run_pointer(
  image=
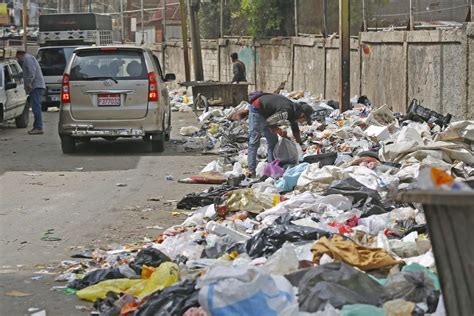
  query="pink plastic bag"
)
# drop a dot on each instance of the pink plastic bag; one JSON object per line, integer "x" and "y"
{"x": 273, "y": 169}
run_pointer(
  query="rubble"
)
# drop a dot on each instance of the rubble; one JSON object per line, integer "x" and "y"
{"x": 319, "y": 232}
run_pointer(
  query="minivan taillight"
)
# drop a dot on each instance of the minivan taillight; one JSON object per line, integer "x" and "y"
{"x": 65, "y": 93}
{"x": 152, "y": 87}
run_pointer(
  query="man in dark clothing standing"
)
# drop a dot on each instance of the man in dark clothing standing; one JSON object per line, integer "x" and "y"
{"x": 238, "y": 68}
{"x": 266, "y": 111}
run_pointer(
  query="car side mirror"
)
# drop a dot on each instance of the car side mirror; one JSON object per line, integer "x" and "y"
{"x": 10, "y": 85}
{"x": 170, "y": 77}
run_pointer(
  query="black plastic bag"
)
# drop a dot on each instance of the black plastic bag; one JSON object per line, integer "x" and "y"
{"x": 365, "y": 198}
{"x": 336, "y": 283}
{"x": 203, "y": 198}
{"x": 171, "y": 301}
{"x": 414, "y": 286}
{"x": 271, "y": 238}
{"x": 95, "y": 277}
{"x": 355, "y": 189}
{"x": 150, "y": 257}
{"x": 106, "y": 306}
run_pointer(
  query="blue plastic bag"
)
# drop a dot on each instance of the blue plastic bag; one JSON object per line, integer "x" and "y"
{"x": 231, "y": 291}
{"x": 290, "y": 177}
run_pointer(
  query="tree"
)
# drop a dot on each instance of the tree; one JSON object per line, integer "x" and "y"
{"x": 257, "y": 18}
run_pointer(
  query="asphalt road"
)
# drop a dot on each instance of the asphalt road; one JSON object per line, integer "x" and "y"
{"x": 78, "y": 197}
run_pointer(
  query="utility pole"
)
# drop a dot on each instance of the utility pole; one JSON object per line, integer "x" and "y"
{"x": 193, "y": 6}
{"x": 411, "y": 22}
{"x": 184, "y": 35}
{"x": 296, "y": 17}
{"x": 472, "y": 11}
{"x": 90, "y": 6}
{"x": 143, "y": 17}
{"x": 364, "y": 17}
{"x": 344, "y": 56}
{"x": 122, "y": 24}
{"x": 325, "y": 18}
{"x": 221, "y": 22}
{"x": 163, "y": 44}
{"x": 25, "y": 25}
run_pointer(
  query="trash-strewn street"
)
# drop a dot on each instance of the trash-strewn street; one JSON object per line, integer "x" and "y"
{"x": 108, "y": 193}
{"x": 236, "y": 158}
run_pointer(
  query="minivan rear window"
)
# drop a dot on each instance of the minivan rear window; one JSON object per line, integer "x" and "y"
{"x": 53, "y": 60}
{"x": 116, "y": 64}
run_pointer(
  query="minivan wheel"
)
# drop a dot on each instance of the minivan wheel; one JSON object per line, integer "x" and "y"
{"x": 68, "y": 144}
{"x": 23, "y": 119}
{"x": 158, "y": 143}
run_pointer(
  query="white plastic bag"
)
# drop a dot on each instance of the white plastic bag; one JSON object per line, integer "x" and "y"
{"x": 245, "y": 290}
{"x": 286, "y": 151}
{"x": 283, "y": 261}
{"x": 213, "y": 167}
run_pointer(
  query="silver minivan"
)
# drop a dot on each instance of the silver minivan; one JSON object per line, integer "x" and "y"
{"x": 112, "y": 92}
{"x": 53, "y": 61}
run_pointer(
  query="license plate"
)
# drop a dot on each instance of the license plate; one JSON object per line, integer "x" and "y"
{"x": 108, "y": 100}
{"x": 55, "y": 98}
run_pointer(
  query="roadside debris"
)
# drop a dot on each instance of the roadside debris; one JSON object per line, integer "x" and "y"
{"x": 47, "y": 236}
{"x": 17, "y": 294}
{"x": 318, "y": 231}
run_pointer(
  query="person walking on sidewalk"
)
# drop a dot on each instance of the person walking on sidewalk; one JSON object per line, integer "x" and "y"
{"x": 238, "y": 68}
{"x": 266, "y": 111}
{"x": 34, "y": 86}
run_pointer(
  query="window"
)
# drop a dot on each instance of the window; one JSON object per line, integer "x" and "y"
{"x": 53, "y": 61}
{"x": 16, "y": 72}
{"x": 6, "y": 74}
{"x": 118, "y": 64}
{"x": 156, "y": 61}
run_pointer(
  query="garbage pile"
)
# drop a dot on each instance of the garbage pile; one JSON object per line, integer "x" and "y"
{"x": 320, "y": 232}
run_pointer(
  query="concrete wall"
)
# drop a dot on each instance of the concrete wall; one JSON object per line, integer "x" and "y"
{"x": 430, "y": 66}
{"x": 435, "y": 67}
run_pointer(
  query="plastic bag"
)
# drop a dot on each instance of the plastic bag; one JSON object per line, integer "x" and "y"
{"x": 213, "y": 167}
{"x": 291, "y": 176}
{"x": 285, "y": 151}
{"x": 273, "y": 169}
{"x": 414, "y": 286}
{"x": 95, "y": 277}
{"x": 337, "y": 284}
{"x": 100, "y": 290}
{"x": 185, "y": 244}
{"x": 260, "y": 170}
{"x": 173, "y": 300}
{"x": 270, "y": 239}
{"x": 398, "y": 307}
{"x": 361, "y": 310}
{"x": 245, "y": 290}
{"x": 203, "y": 198}
{"x": 284, "y": 261}
{"x": 188, "y": 130}
{"x": 361, "y": 194}
{"x": 250, "y": 201}
{"x": 150, "y": 257}
{"x": 165, "y": 275}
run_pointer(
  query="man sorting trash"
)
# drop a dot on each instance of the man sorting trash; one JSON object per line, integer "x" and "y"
{"x": 266, "y": 112}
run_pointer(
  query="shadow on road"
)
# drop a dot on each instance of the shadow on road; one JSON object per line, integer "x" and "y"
{"x": 22, "y": 152}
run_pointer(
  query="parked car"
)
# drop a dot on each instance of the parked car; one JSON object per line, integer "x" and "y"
{"x": 53, "y": 61}
{"x": 112, "y": 92}
{"x": 13, "y": 99}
